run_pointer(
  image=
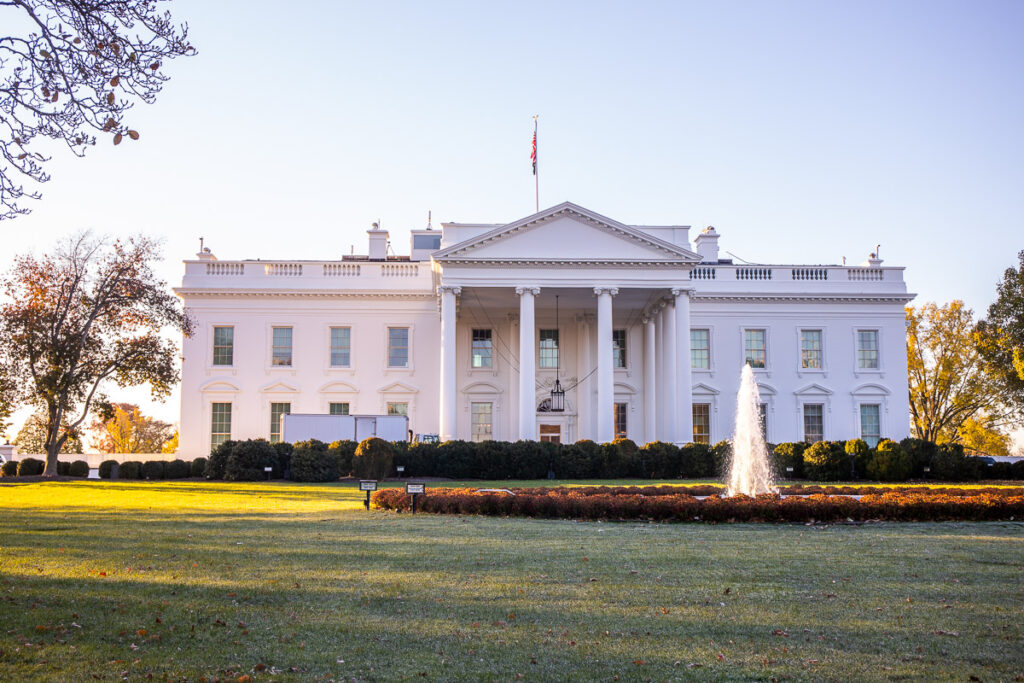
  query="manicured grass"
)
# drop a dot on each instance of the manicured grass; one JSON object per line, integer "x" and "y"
{"x": 186, "y": 580}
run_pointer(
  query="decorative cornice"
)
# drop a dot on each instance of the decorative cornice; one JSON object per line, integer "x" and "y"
{"x": 634, "y": 263}
{"x": 805, "y": 298}
{"x": 301, "y": 294}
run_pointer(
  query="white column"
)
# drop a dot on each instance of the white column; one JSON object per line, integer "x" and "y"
{"x": 511, "y": 430}
{"x": 650, "y": 403}
{"x": 584, "y": 428}
{"x": 605, "y": 373}
{"x": 449, "y": 409}
{"x": 527, "y": 363}
{"x": 659, "y": 363}
{"x": 670, "y": 376}
{"x": 684, "y": 378}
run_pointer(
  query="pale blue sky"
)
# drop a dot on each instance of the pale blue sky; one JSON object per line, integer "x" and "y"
{"x": 803, "y": 131}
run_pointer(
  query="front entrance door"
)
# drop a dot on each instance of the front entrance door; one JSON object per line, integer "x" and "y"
{"x": 551, "y": 433}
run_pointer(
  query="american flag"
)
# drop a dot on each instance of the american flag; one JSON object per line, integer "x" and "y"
{"x": 533, "y": 152}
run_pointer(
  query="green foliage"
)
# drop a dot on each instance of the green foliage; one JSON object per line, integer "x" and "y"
{"x": 9, "y": 468}
{"x": 1000, "y": 337}
{"x": 31, "y": 437}
{"x": 63, "y": 468}
{"x": 374, "y": 459}
{"x": 660, "y": 460}
{"x": 218, "y": 460}
{"x": 177, "y": 469}
{"x": 889, "y": 463}
{"x": 343, "y": 451}
{"x": 153, "y": 470}
{"x": 458, "y": 458}
{"x": 248, "y": 460}
{"x": 30, "y": 467}
{"x": 79, "y": 468}
{"x": 580, "y": 460}
{"x": 107, "y": 467}
{"x": 827, "y": 461}
{"x": 787, "y": 455}
{"x": 197, "y": 468}
{"x": 721, "y": 456}
{"x": 696, "y": 460}
{"x": 284, "y": 455}
{"x": 313, "y": 462}
{"x": 950, "y": 464}
{"x": 132, "y": 469}
{"x": 921, "y": 453}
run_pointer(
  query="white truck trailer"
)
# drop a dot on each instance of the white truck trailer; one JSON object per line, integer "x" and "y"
{"x": 328, "y": 428}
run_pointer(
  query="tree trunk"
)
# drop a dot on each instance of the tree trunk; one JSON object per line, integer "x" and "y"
{"x": 52, "y": 453}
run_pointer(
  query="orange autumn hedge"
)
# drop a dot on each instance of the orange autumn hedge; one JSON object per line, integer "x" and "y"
{"x": 627, "y": 504}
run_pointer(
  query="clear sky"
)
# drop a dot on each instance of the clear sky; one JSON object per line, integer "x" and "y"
{"x": 803, "y": 131}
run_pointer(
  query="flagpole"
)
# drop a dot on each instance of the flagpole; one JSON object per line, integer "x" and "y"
{"x": 536, "y": 173}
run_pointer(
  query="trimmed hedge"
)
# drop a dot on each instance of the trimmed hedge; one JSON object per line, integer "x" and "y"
{"x": 79, "y": 468}
{"x": 63, "y": 468}
{"x": 343, "y": 451}
{"x": 571, "y": 504}
{"x": 107, "y": 467}
{"x": 9, "y": 468}
{"x": 197, "y": 468}
{"x": 30, "y": 467}
{"x": 313, "y": 461}
{"x": 248, "y": 459}
{"x": 153, "y": 470}
{"x": 130, "y": 469}
{"x": 177, "y": 469}
{"x": 374, "y": 459}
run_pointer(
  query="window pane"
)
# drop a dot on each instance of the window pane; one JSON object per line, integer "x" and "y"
{"x": 549, "y": 348}
{"x": 753, "y": 342}
{"x": 276, "y": 411}
{"x": 220, "y": 429}
{"x": 700, "y": 349}
{"x": 482, "y": 425}
{"x": 482, "y": 349}
{"x": 620, "y": 420}
{"x": 870, "y": 424}
{"x": 223, "y": 345}
{"x": 282, "y": 352}
{"x": 814, "y": 426}
{"x": 551, "y": 433}
{"x": 701, "y": 423}
{"x": 618, "y": 348}
{"x": 398, "y": 408}
{"x": 810, "y": 349}
{"x": 867, "y": 349}
{"x": 338, "y": 409}
{"x": 398, "y": 347}
{"x": 341, "y": 346}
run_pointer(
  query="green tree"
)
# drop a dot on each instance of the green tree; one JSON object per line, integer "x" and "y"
{"x": 90, "y": 315}
{"x": 1000, "y": 337}
{"x": 31, "y": 437}
{"x": 948, "y": 382}
{"x": 70, "y": 70}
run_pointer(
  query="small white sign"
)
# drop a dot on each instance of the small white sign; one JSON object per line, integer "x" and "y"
{"x": 414, "y": 488}
{"x": 367, "y": 485}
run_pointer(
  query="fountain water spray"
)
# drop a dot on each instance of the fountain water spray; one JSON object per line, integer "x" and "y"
{"x": 750, "y": 473}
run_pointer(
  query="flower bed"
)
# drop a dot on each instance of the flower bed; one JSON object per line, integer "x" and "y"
{"x": 657, "y": 504}
{"x": 793, "y": 490}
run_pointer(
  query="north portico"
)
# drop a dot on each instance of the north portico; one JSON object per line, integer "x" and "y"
{"x": 643, "y": 327}
{"x": 606, "y": 276}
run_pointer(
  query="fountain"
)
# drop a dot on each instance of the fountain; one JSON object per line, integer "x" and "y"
{"x": 750, "y": 473}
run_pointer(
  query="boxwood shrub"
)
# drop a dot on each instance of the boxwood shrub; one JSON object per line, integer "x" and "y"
{"x": 106, "y": 469}
{"x": 9, "y": 469}
{"x": 154, "y": 470}
{"x": 343, "y": 451}
{"x": 218, "y": 460}
{"x": 312, "y": 463}
{"x": 248, "y": 460}
{"x": 197, "y": 468}
{"x": 176, "y": 469}
{"x": 30, "y": 467}
{"x": 787, "y": 455}
{"x": 63, "y": 468}
{"x": 374, "y": 458}
{"x": 131, "y": 469}
{"x": 79, "y": 468}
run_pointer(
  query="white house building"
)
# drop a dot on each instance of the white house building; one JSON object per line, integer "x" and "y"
{"x": 643, "y": 329}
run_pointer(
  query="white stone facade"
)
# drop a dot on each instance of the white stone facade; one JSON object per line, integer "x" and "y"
{"x": 380, "y": 332}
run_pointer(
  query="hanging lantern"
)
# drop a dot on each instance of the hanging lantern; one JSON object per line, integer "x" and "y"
{"x": 557, "y": 398}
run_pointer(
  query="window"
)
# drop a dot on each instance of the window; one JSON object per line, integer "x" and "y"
{"x": 867, "y": 349}
{"x": 618, "y": 348}
{"x": 870, "y": 424}
{"x": 398, "y": 408}
{"x": 700, "y": 349}
{"x": 549, "y": 348}
{"x": 810, "y": 349}
{"x": 620, "y": 421}
{"x": 282, "y": 351}
{"x": 338, "y": 409}
{"x": 814, "y": 425}
{"x": 482, "y": 349}
{"x": 762, "y": 414}
{"x": 398, "y": 347}
{"x": 341, "y": 347}
{"x": 223, "y": 345}
{"x": 482, "y": 425}
{"x": 753, "y": 345}
{"x": 220, "y": 429}
{"x": 702, "y": 423}
{"x": 426, "y": 241}
{"x": 276, "y": 411}
{"x": 551, "y": 433}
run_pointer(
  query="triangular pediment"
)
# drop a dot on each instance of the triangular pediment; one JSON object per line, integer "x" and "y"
{"x": 813, "y": 389}
{"x": 702, "y": 389}
{"x": 566, "y": 232}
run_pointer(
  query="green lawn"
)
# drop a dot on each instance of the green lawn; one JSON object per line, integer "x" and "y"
{"x": 186, "y": 580}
